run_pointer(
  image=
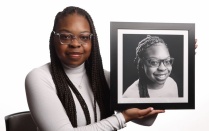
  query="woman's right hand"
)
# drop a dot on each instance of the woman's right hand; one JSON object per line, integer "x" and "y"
{"x": 135, "y": 113}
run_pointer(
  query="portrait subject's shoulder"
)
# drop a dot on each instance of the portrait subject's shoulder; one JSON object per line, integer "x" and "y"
{"x": 171, "y": 81}
{"x": 132, "y": 91}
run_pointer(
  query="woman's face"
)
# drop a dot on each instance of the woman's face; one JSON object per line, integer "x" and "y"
{"x": 157, "y": 74}
{"x": 75, "y": 53}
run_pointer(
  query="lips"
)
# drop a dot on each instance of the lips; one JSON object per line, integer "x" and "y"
{"x": 161, "y": 77}
{"x": 74, "y": 55}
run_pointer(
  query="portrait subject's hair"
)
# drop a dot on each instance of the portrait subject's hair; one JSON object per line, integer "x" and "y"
{"x": 94, "y": 69}
{"x": 141, "y": 48}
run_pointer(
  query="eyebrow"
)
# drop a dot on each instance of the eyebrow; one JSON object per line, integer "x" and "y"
{"x": 64, "y": 30}
{"x": 158, "y": 58}
{"x": 67, "y": 31}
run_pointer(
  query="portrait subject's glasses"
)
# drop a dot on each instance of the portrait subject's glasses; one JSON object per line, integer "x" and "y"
{"x": 154, "y": 62}
{"x": 67, "y": 38}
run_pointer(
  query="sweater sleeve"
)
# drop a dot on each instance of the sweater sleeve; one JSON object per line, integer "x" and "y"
{"x": 48, "y": 112}
{"x": 147, "y": 121}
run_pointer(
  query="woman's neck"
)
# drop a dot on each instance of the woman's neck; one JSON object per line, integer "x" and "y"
{"x": 74, "y": 70}
{"x": 154, "y": 86}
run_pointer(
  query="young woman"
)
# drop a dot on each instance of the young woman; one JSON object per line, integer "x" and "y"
{"x": 154, "y": 65}
{"x": 71, "y": 92}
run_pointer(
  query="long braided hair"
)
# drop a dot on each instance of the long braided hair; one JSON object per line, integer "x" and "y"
{"x": 140, "y": 49}
{"x": 95, "y": 73}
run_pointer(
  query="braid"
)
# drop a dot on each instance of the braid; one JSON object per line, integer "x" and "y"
{"x": 95, "y": 73}
{"x": 142, "y": 46}
{"x": 62, "y": 87}
{"x": 97, "y": 79}
{"x": 143, "y": 91}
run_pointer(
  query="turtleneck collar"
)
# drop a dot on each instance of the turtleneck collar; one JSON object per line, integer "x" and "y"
{"x": 74, "y": 70}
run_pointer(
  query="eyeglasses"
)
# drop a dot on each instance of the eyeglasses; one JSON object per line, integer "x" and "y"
{"x": 67, "y": 38}
{"x": 154, "y": 62}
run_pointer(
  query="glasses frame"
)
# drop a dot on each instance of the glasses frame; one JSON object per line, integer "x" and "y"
{"x": 73, "y": 37}
{"x": 147, "y": 62}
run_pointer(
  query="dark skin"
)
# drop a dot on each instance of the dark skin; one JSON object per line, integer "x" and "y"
{"x": 77, "y": 24}
{"x": 75, "y": 54}
{"x": 135, "y": 113}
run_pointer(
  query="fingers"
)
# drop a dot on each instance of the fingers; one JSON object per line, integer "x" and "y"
{"x": 196, "y": 46}
{"x": 153, "y": 112}
{"x": 144, "y": 112}
{"x": 196, "y": 43}
{"x": 135, "y": 113}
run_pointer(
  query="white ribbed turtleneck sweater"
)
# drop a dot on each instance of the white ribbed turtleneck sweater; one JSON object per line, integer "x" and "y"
{"x": 47, "y": 110}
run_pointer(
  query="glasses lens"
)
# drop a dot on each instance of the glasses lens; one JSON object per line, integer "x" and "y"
{"x": 153, "y": 62}
{"x": 156, "y": 62}
{"x": 66, "y": 38}
{"x": 85, "y": 38}
{"x": 168, "y": 62}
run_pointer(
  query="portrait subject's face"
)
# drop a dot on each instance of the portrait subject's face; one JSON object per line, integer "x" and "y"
{"x": 75, "y": 53}
{"x": 155, "y": 54}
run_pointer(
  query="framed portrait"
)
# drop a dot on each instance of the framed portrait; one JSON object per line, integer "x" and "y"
{"x": 152, "y": 65}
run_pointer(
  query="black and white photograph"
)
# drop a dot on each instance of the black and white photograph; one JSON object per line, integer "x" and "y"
{"x": 152, "y": 65}
{"x": 149, "y": 69}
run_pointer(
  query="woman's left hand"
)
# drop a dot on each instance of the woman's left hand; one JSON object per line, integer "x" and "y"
{"x": 196, "y": 45}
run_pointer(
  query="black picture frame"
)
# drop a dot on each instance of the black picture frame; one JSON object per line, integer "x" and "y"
{"x": 180, "y": 38}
